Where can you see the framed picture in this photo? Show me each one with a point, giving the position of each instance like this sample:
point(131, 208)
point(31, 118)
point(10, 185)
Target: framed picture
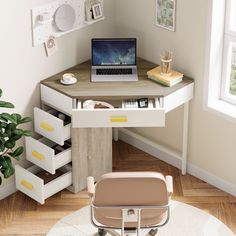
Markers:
point(97, 10)
point(165, 14)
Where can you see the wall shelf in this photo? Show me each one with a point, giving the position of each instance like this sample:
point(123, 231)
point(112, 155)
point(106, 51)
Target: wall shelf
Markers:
point(42, 30)
point(93, 21)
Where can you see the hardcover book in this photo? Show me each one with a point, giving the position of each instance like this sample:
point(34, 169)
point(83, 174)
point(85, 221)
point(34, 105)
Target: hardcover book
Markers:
point(167, 80)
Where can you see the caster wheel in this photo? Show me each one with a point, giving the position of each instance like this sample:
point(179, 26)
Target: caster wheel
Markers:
point(153, 232)
point(101, 232)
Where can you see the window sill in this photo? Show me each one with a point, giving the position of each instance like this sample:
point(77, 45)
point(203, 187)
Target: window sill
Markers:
point(222, 109)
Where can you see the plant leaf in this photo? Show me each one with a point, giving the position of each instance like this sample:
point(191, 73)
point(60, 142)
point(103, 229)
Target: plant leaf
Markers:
point(17, 152)
point(6, 104)
point(3, 124)
point(25, 120)
point(9, 128)
point(2, 148)
point(8, 169)
point(2, 119)
point(18, 132)
point(27, 133)
point(9, 118)
point(0, 92)
point(10, 144)
point(16, 137)
point(16, 117)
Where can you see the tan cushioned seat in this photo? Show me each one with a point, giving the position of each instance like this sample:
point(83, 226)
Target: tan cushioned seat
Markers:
point(130, 189)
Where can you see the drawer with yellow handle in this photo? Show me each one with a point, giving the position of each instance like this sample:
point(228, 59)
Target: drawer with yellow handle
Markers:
point(118, 113)
point(52, 124)
point(47, 154)
point(39, 184)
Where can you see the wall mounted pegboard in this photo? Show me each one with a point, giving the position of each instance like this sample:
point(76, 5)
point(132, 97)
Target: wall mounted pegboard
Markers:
point(58, 18)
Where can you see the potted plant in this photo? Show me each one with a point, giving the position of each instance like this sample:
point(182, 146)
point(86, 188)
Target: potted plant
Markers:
point(9, 134)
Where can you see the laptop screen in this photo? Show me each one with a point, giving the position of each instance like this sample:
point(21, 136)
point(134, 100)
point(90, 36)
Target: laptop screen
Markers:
point(108, 52)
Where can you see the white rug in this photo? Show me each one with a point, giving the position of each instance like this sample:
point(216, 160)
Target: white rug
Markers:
point(185, 220)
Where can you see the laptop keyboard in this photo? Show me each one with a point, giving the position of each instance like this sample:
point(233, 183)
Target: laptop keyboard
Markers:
point(121, 71)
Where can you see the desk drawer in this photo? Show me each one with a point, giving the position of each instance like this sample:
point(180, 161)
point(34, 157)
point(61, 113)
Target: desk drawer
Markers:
point(119, 117)
point(42, 153)
point(50, 126)
point(56, 99)
point(29, 183)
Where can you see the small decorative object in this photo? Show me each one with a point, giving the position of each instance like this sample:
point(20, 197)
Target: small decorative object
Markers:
point(9, 134)
point(61, 116)
point(65, 17)
point(91, 104)
point(45, 18)
point(68, 79)
point(166, 60)
point(97, 10)
point(142, 102)
point(51, 46)
point(165, 14)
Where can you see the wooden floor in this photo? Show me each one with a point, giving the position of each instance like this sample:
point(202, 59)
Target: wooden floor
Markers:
point(21, 216)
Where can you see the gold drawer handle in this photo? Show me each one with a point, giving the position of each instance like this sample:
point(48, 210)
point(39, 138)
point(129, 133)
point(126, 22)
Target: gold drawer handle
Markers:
point(46, 127)
point(26, 184)
point(118, 119)
point(38, 155)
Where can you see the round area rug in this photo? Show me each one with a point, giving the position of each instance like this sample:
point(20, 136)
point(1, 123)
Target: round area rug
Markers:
point(185, 220)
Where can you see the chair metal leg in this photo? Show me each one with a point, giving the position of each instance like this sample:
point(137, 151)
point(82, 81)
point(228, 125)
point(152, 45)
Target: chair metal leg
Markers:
point(102, 232)
point(153, 232)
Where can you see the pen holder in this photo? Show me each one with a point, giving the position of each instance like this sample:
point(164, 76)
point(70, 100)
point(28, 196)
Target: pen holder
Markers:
point(166, 67)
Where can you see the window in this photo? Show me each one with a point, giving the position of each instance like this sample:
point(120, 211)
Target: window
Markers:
point(221, 58)
point(228, 90)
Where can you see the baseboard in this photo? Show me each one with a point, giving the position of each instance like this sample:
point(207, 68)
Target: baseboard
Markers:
point(172, 158)
point(7, 190)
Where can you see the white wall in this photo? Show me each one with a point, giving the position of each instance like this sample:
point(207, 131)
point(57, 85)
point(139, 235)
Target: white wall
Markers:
point(23, 66)
point(211, 138)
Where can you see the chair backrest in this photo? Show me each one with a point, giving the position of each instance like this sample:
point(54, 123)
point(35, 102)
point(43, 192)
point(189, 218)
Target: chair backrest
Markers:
point(130, 189)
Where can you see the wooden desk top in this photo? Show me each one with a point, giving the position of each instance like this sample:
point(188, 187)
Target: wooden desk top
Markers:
point(84, 88)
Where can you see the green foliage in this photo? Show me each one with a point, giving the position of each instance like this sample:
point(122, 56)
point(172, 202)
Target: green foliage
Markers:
point(232, 88)
point(9, 134)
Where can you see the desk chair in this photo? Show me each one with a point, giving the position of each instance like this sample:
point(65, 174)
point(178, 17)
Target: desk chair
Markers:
point(132, 202)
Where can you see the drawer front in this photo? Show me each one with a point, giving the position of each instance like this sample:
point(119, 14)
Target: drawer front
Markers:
point(33, 186)
point(56, 99)
point(50, 126)
point(44, 156)
point(118, 118)
point(29, 183)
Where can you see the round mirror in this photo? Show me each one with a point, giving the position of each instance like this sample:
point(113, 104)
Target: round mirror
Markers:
point(65, 17)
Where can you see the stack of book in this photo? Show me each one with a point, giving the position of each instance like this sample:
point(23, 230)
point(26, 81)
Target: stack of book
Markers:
point(168, 80)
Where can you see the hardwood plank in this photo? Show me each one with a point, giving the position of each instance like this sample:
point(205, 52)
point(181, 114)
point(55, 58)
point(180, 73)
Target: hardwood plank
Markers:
point(22, 216)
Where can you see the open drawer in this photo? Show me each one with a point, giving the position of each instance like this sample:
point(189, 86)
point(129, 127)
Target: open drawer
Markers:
point(36, 187)
point(47, 154)
point(51, 126)
point(119, 116)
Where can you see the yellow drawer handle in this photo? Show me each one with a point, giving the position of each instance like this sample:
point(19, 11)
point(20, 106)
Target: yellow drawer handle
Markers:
point(38, 155)
point(119, 119)
point(26, 185)
point(46, 127)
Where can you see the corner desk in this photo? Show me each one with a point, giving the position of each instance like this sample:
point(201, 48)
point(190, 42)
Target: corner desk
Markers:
point(91, 130)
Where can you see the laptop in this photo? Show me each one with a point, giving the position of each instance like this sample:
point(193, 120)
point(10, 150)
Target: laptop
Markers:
point(113, 60)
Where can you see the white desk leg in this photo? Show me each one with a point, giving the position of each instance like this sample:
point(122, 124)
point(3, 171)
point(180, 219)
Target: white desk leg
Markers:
point(116, 134)
point(185, 138)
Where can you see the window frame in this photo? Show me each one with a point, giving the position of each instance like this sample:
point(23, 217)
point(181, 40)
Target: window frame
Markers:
point(215, 37)
point(229, 42)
